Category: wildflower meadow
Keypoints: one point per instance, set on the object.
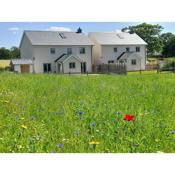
(51, 113)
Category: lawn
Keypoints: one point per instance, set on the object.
(62, 113)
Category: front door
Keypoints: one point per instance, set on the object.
(83, 67)
(59, 68)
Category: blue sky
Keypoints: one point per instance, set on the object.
(11, 32)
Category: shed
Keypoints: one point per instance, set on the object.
(22, 65)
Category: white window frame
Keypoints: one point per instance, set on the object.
(51, 50)
(84, 50)
(110, 61)
(137, 49)
(115, 49)
(72, 65)
(135, 62)
(69, 50)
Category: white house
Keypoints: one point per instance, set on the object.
(113, 47)
(53, 51)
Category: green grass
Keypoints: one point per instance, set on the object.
(38, 112)
(142, 72)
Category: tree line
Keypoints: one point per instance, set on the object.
(6, 54)
(159, 44)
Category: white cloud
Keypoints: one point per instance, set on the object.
(55, 28)
(118, 31)
(14, 30)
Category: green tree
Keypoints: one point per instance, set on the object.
(149, 33)
(15, 52)
(5, 53)
(168, 40)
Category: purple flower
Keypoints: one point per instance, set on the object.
(60, 145)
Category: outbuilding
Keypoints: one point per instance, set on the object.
(22, 65)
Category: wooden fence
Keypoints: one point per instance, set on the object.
(118, 68)
(152, 66)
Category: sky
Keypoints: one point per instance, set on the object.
(11, 32)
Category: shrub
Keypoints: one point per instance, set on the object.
(170, 66)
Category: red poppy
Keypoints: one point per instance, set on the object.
(128, 117)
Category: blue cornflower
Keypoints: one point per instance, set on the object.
(80, 113)
(93, 124)
(60, 145)
(81, 117)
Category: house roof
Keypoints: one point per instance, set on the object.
(64, 57)
(57, 38)
(22, 61)
(117, 38)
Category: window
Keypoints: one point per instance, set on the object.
(127, 49)
(115, 49)
(52, 50)
(69, 51)
(82, 50)
(133, 62)
(137, 49)
(72, 65)
(47, 67)
(110, 61)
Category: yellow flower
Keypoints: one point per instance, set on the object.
(19, 146)
(156, 140)
(23, 126)
(94, 143)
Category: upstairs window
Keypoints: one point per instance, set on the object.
(115, 49)
(137, 49)
(72, 65)
(133, 62)
(52, 50)
(82, 50)
(127, 49)
(69, 51)
(110, 61)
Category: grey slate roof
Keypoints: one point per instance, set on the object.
(55, 38)
(21, 61)
(117, 38)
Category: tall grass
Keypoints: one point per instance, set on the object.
(60, 113)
